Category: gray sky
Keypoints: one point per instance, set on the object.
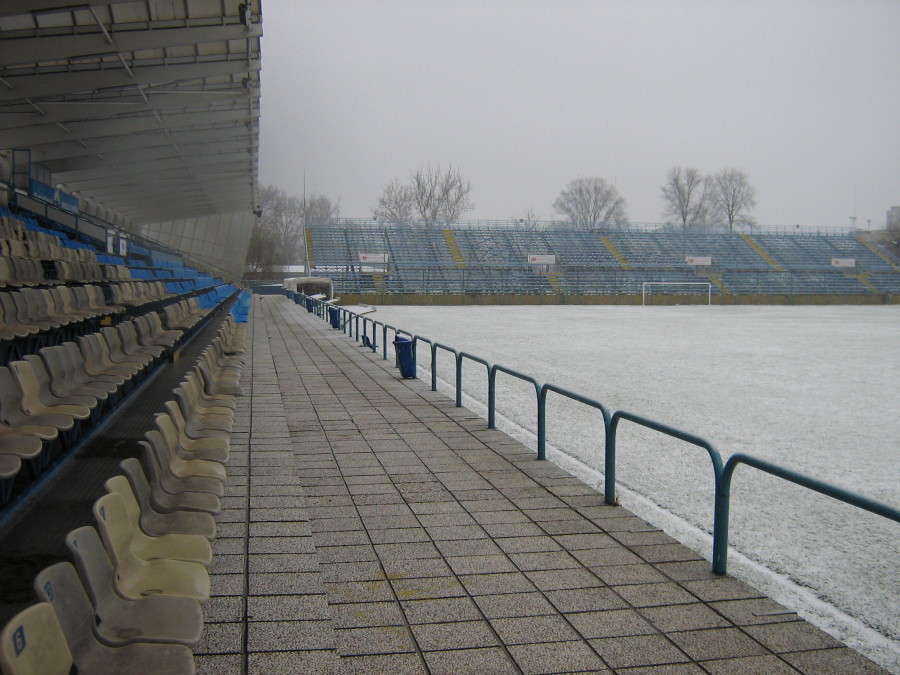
(525, 95)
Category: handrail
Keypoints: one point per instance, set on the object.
(492, 389)
(460, 357)
(723, 500)
(722, 473)
(542, 422)
(434, 347)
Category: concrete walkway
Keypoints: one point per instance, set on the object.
(371, 526)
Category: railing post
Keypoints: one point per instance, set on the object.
(433, 367)
(609, 461)
(492, 398)
(720, 522)
(458, 380)
(384, 342)
(542, 423)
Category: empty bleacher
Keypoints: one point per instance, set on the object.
(494, 260)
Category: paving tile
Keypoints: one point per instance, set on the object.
(455, 635)
(717, 643)
(754, 611)
(533, 629)
(319, 662)
(750, 665)
(638, 650)
(514, 605)
(610, 623)
(221, 638)
(481, 564)
(557, 657)
(492, 660)
(267, 636)
(553, 580)
(650, 595)
(684, 617)
(585, 600)
(286, 607)
(791, 637)
(427, 588)
(363, 614)
(440, 610)
(489, 584)
(396, 664)
(378, 640)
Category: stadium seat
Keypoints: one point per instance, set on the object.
(137, 577)
(155, 618)
(169, 517)
(189, 493)
(156, 524)
(164, 546)
(172, 430)
(33, 643)
(60, 587)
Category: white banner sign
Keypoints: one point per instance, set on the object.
(843, 262)
(379, 258)
(698, 260)
(541, 259)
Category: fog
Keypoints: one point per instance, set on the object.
(524, 96)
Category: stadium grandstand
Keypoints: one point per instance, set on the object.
(507, 263)
(194, 478)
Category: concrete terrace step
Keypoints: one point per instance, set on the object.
(371, 526)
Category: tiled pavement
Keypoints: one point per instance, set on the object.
(370, 526)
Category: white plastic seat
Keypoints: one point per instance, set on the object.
(136, 577)
(60, 586)
(33, 643)
(157, 524)
(32, 403)
(157, 519)
(180, 467)
(14, 416)
(193, 493)
(167, 546)
(155, 618)
(45, 387)
(211, 449)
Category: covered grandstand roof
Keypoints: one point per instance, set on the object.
(147, 108)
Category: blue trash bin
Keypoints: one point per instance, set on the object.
(309, 305)
(406, 357)
(335, 315)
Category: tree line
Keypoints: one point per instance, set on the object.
(697, 202)
(437, 196)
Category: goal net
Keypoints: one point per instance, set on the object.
(647, 288)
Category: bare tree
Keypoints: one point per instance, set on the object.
(590, 203)
(733, 197)
(529, 220)
(438, 196)
(395, 205)
(320, 209)
(277, 237)
(686, 194)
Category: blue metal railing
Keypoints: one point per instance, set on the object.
(722, 473)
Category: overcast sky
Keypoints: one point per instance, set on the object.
(523, 96)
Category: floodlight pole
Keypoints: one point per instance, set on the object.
(306, 269)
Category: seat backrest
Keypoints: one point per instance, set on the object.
(115, 530)
(33, 643)
(94, 566)
(168, 429)
(59, 368)
(121, 485)
(60, 585)
(137, 479)
(41, 376)
(28, 386)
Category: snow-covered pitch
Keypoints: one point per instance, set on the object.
(815, 389)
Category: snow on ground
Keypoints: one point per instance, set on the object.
(814, 389)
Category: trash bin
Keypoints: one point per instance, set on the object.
(309, 305)
(335, 315)
(406, 356)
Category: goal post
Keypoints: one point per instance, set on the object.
(648, 285)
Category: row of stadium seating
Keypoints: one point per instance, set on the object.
(495, 260)
(132, 600)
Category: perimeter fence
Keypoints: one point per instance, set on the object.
(365, 330)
